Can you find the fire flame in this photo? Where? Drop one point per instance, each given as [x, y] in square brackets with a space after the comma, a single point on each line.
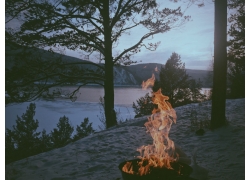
[149, 82]
[162, 152]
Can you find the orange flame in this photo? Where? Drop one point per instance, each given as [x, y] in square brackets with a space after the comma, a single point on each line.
[162, 152]
[128, 168]
[149, 82]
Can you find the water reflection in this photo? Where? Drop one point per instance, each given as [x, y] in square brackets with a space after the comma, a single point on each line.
[123, 95]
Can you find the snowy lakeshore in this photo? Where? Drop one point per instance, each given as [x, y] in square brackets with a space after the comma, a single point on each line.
[87, 105]
[49, 112]
[219, 154]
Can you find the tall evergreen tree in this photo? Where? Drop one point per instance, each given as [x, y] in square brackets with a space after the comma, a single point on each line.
[174, 83]
[177, 84]
[173, 78]
[236, 49]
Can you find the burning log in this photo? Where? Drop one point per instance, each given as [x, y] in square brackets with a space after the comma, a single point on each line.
[180, 171]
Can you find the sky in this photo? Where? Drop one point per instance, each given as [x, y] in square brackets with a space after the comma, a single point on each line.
[193, 41]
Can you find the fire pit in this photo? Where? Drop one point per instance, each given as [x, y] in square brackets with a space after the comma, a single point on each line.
[180, 171]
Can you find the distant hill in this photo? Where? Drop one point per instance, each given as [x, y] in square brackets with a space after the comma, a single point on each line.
[12, 50]
[143, 72]
[202, 75]
[124, 75]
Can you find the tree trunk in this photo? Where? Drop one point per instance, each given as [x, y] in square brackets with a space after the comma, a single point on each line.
[110, 114]
[220, 65]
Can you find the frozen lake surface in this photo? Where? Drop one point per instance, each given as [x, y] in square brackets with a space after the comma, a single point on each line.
[86, 105]
[49, 112]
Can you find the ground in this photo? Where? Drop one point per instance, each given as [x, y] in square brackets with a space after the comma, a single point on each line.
[218, 154]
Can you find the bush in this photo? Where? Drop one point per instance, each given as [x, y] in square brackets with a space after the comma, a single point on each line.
[83, 130]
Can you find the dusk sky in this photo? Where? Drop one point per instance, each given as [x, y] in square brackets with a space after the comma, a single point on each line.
[193, 41]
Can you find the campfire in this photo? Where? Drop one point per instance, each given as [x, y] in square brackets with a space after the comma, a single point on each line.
[148, 83]
[158, 159]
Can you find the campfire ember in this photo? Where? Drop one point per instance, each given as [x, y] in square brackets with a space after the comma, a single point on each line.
[179, 171]
[161, 153]
[148, 83]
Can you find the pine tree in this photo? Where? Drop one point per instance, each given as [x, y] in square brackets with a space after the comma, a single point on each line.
[61, 135]
[177, 84]
[83, 130]
[236, 49]
[24, 138]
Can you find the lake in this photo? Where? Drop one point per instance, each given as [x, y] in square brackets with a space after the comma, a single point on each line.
[123, 95]
[86, 105]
